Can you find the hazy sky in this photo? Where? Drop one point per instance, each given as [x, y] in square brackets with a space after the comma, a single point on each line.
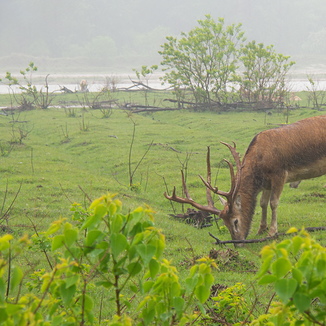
[118, 34]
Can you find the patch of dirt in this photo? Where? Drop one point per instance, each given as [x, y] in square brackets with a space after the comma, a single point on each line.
[188, 262]
[217, 288]
[314, 196]
[318, 195]
[5, 229]
[231, 260]
[198, 219]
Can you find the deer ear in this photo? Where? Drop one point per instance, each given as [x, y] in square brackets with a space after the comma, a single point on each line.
[222, 200]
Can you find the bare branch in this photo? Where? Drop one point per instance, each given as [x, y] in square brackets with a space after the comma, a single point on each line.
[308, 229]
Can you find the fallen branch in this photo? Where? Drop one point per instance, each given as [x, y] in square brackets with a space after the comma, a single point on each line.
[178, 101]
[135, 108]
[139, 86]
[308, 229]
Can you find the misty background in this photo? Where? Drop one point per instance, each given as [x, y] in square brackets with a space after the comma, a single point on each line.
[115, 36]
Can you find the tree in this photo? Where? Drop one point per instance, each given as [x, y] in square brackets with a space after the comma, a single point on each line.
[204, 60]
[263, 78]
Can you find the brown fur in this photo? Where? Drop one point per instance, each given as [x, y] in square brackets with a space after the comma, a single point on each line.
[274, 157]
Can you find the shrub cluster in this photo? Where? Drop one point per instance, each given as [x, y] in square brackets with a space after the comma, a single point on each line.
[107, 268]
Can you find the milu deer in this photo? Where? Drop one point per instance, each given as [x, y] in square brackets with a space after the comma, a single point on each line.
[274, 157]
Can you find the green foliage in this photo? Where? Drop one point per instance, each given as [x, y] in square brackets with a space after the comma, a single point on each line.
[265, 70]
[100, 250]
[204, 60]
[297, 270]
[230, 307]
[30, 96]
[145, 72]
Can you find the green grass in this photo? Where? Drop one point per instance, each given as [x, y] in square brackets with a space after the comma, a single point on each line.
[59, 163]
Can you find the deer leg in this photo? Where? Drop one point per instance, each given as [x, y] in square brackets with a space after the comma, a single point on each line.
[264, 200]
[274, 200]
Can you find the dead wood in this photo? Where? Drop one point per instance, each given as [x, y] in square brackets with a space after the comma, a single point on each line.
[198, 219]
[66, 90]
[308, 229]
[178, 101]
[138, 86]
[136, 108]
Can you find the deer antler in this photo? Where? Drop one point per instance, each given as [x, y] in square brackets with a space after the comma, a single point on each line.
[230, 195]
[188, 200]
[235, 180]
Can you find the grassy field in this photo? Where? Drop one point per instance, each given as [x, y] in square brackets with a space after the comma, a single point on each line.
[59, 158]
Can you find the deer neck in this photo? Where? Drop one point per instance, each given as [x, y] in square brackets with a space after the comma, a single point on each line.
[247, 197]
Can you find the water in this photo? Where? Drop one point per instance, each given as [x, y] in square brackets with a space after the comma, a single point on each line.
[97, 82]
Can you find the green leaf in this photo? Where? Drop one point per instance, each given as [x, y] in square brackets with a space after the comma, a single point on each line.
[146, 252]
[266, 279]
[301, 301]
[112, 209]
[118, 244]
[89, 303]
[148, 315]
[323, 285]
[178, 303]
[105, 284]
[297, 275]
[160, 245]
[70, 235]
[14, 308]
[191, 283]
[281, 267]
[16, 277]
[285, 288]
[154, 267]
[72, 280]
[208, 279]
[147, 286]
[296, 244]
[134, 268]
[202, 293]
[57, 242]
[67, 294]
[93, 220]
[92, 236]
[116, 224]
[321, 268]
[4, 241]
[265, 265]
[134, 288]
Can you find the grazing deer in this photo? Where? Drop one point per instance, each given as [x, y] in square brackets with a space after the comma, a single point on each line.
[274, 157]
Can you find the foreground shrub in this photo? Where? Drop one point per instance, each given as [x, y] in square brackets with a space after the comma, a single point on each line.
[297, 270]
[105, 268]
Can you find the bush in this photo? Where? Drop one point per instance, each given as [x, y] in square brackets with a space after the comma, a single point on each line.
[101, 255]
[297, 270]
